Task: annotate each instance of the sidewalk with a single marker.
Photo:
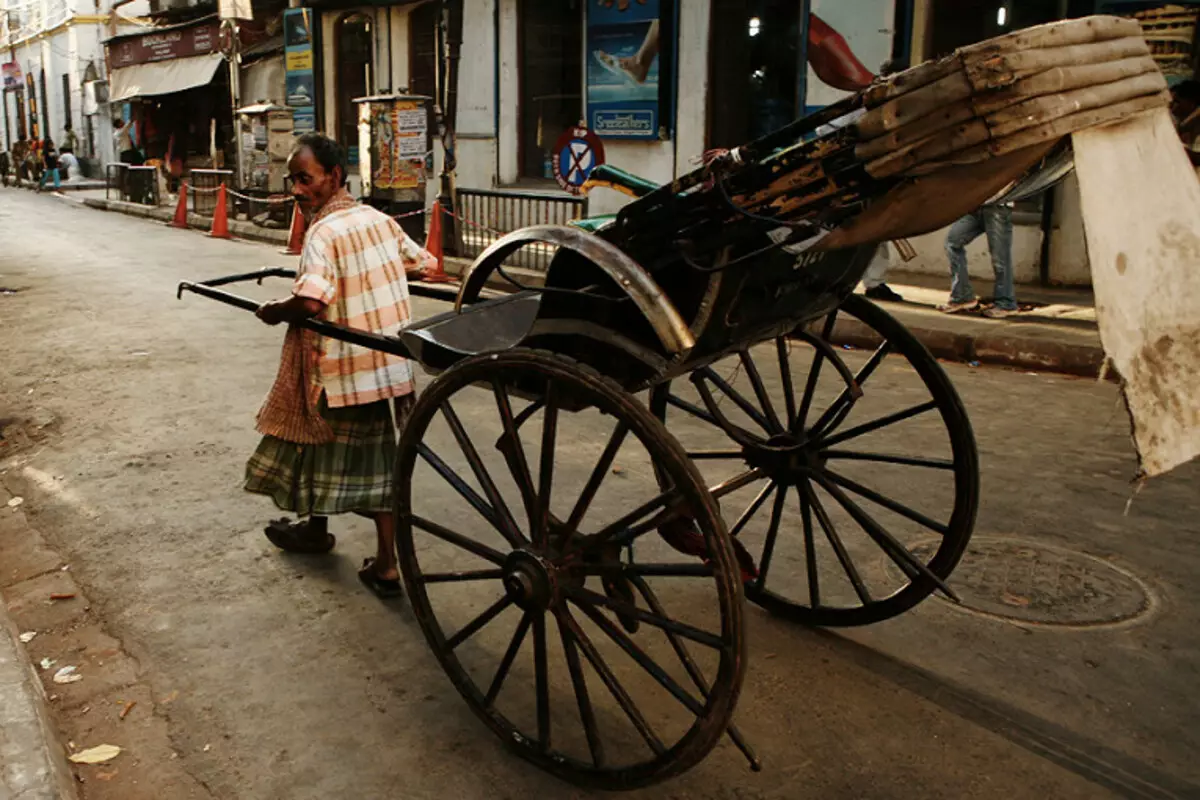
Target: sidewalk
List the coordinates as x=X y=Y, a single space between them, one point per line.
x=1058 y=335
x=33 y=765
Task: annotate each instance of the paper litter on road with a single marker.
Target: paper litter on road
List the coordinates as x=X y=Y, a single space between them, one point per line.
x=96 y=755
x=47 y=663
x=16 y=501
x=67 y=675
x=27 y=636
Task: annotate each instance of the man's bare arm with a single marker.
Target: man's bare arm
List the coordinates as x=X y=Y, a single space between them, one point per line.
x=290 y=309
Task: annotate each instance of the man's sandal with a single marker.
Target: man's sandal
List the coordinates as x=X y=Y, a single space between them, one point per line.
x=299 y=537
x=384 y=588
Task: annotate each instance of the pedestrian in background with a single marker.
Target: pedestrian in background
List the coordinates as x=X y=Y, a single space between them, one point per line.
x=33 y=159
x=69 y=141
x=876 y=274
x=996 y=222
x=20 y=154
x=68 y=166
x=127 y=151
x=5 y=163
x=49 y=165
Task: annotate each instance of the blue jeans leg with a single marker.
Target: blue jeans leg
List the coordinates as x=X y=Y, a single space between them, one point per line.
x=962 y=233
x=998 y=220
x=46 y=175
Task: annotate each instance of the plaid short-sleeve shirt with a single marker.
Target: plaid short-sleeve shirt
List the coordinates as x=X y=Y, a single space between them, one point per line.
x=354 y=261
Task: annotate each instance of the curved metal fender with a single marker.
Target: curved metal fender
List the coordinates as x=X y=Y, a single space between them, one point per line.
x=662 y=315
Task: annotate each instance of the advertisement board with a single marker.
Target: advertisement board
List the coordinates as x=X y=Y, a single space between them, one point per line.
x=398 y=143
x=623 y=69
x=867 y=26
x=300 y=90
x=12 y=75
x=197 y=40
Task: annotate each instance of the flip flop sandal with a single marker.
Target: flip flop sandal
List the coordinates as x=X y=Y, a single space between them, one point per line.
x=384 y=588
x=296 y=537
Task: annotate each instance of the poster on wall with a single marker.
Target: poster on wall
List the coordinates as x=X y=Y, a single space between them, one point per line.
x=848 y=45
x=299 y=84
x=623 y=68
x=12 y=75
x=401 y=131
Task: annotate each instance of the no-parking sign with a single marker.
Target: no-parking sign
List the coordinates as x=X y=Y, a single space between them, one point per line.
x=577 y=152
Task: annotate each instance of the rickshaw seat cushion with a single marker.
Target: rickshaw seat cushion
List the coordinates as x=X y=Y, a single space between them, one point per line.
x=593 y=224
x=617 y=178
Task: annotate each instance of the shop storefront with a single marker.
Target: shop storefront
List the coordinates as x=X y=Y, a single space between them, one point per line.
x=172 y=86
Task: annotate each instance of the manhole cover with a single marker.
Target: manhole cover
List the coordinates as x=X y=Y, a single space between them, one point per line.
x=1032 y=582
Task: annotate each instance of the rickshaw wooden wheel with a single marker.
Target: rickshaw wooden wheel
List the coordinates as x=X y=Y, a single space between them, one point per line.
x=551 y=573
x=795 y=446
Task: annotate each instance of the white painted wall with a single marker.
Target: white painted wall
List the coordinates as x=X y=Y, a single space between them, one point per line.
x=1069 y=264
x=691 y=119
x=508 y=168
x=329 y=74
x=398 y=41
x=477 y=71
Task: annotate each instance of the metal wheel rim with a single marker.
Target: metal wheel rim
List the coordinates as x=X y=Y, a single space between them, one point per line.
x=966 y=486
x=708 y=729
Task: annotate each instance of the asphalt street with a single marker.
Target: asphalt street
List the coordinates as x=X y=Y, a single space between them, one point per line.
x=280 y=677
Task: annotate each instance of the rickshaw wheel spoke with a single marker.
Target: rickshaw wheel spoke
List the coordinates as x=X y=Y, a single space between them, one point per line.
x=488 y=651
x=830 y=549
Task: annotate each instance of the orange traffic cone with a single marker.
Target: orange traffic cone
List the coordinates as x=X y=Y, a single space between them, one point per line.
x=296 y=236
x=433 y=244
x=220 y=223
x=180 y=220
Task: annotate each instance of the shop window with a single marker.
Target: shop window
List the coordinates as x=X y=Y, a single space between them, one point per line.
x=551 y=73
x=352 y=35
x=754 y=69
x=422 y=32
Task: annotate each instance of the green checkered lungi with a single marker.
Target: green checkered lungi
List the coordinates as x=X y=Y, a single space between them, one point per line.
x=353 y=473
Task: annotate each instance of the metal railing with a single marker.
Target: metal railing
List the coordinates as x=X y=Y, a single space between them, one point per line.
x=204 y=201
x=141 y=185
x=131 y=184
x=114 y=181
x=488 y=214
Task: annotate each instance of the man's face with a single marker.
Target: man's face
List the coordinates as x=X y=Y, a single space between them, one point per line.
x=312 y=186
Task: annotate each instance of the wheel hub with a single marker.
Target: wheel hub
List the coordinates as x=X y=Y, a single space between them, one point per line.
x=785 y=458
x=529 y=581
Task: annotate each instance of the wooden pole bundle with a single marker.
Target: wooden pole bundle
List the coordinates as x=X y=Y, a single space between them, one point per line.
x=1020 y=85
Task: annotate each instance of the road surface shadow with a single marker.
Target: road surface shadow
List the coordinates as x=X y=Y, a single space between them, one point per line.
x=1088 y=758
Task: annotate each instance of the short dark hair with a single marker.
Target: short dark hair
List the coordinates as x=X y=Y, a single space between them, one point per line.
x=66 y=150
x=328 y=153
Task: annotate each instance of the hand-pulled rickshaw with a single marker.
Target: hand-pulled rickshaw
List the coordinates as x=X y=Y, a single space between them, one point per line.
x=699 y=324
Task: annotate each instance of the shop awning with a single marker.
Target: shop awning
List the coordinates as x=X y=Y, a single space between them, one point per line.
x=163 y=77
